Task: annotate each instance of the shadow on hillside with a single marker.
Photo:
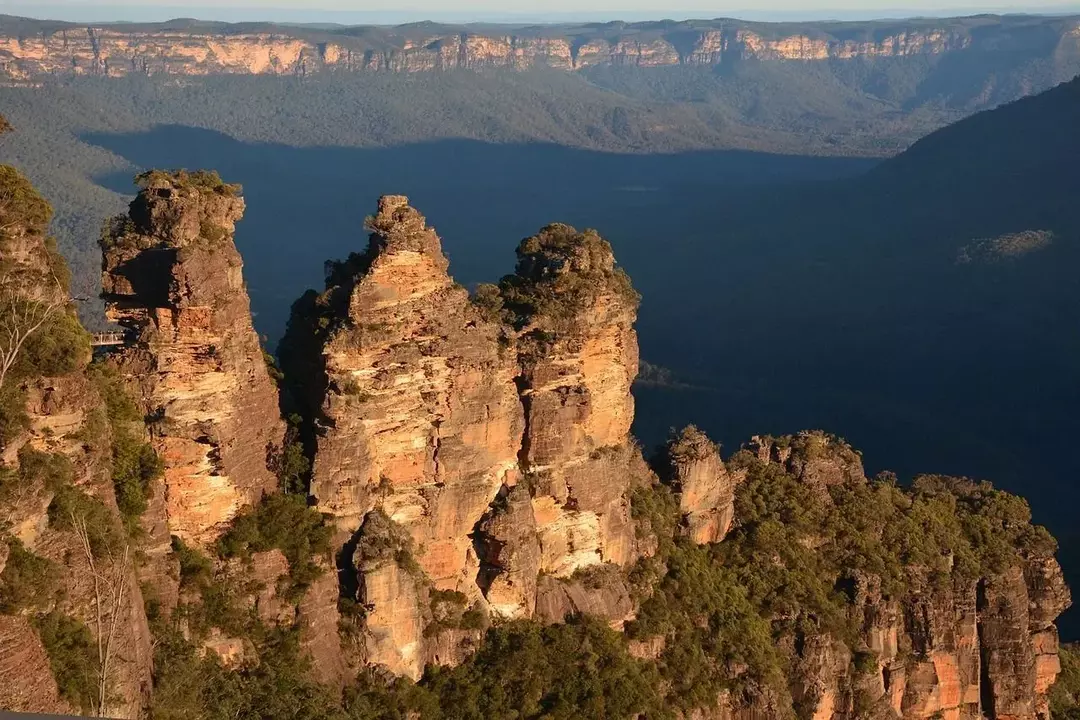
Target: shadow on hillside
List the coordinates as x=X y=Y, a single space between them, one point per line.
x=307 y=205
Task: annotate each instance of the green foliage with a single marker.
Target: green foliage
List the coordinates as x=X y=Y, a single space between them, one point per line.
x=73 y=510
x=290 y=463
x=59 y=347
x=21 y=204
x=135 y=465
x=561 y=272
x=275 y=684
x=73 y=657
x=716 y=637
x=13 y=417
x=286 y=523
x=208 y=181
x=37 y=471
x=1065 y=694
x=450 y=610
x=28 y=581
x=488 y=300
x=525 y=670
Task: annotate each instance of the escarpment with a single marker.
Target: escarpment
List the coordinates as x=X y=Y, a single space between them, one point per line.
x=173 y=280
x=930 y=616
x=116 y=50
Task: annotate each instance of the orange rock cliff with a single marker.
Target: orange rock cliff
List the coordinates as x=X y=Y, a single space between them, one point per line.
x=205 y=49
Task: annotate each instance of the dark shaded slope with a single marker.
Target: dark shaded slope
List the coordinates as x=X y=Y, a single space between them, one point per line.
x=1005 y=170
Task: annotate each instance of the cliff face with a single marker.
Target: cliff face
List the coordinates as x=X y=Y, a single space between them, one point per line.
x=154 y=50
x=67 y=569
x=579 y=357
x=173 y=280
x=705 y=487
x=488 y=444
x=971 y=647
x=421 y=415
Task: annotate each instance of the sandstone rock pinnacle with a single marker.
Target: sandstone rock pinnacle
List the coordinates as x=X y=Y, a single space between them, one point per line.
x=173 y=279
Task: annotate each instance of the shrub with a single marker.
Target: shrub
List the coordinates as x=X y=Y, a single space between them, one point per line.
x=526 y=670
x=37 y=471
x=72 y=509
x=13 y=417
x=135 y=465
x=73 y=657
x=1065 y=694
x=20 y=203
x=285 y=523
x=28 y=581
x=59 y=347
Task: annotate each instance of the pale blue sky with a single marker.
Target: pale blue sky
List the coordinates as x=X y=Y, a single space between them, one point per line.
x=380 y=11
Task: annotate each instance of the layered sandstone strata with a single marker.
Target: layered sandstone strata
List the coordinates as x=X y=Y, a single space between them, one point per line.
x=575 y=313
x=174 y=280
x=704 y=485
x=420 y=416
x=116 y=51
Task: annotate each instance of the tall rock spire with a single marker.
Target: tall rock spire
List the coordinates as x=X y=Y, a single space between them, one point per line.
x=579 y=355
x=420 y=412
x=173 y=279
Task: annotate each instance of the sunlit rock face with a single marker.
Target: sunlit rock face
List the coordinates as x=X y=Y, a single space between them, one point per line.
x=174 y=280
x=578 y=350
x=420 y=415
x=115 y=51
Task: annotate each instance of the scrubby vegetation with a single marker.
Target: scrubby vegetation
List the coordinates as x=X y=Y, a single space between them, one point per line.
x=285 y=523
x=1065 y=695
x=28 y=581
x=72 y=653
x=560 y=273
x=208 y=181
x=135 y=465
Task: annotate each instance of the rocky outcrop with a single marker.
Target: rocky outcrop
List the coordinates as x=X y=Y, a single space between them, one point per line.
x=419 y=415
x=575 y=311
x=705 y=487
x=173 y=280
x=111 y=51
x=27 y=684
x=965 y=650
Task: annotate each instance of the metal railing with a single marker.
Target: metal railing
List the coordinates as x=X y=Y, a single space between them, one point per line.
x=107 y=339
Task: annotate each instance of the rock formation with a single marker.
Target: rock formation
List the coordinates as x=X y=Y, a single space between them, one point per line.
x=420 y=414
x=705 y=487
x=173 y=279
x=966 y=650
x=112 y=51
x=65 y=560
x=574 y=311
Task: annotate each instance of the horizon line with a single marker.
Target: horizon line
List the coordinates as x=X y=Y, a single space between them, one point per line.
x=407 y=17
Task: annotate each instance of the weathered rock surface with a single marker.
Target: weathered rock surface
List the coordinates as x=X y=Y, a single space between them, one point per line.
x=173 y=279
x=579 y=355
x=67 y=438
x=26 y=680
x=965 y=651
x=420 y=416
x=65 y=49
x=705 y=487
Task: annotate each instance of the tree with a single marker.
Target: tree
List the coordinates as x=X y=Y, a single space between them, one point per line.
x=24 y=311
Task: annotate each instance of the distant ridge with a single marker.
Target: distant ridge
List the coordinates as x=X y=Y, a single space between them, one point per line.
x=33 y=48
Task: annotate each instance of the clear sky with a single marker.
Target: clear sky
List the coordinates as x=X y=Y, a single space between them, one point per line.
x=397 y=11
